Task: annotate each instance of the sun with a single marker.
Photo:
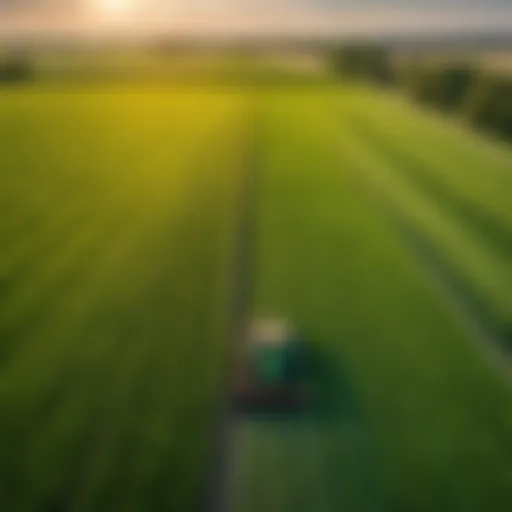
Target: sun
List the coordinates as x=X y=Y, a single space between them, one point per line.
x=114 y=7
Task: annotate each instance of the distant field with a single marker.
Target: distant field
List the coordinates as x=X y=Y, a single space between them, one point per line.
x=498 y=60
x=166 y=66
x=118 y=215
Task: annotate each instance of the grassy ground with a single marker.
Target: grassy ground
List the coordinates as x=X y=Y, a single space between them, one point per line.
x=116 y=241
x=166 y=67
x=452 y=186
x=416 y=417
x=118 y=210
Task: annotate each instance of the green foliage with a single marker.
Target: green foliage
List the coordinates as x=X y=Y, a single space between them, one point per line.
x=15 y=67
x=442 y=85
x=367 y=62
x=489 y=104
x=481 y=97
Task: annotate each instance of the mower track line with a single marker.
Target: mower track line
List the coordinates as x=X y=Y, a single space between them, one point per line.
x=449 y=286
x=219 y=493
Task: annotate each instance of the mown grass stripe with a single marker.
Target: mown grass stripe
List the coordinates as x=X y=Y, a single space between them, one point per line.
x=419 y=384
x=485 y=271
x=491 y=229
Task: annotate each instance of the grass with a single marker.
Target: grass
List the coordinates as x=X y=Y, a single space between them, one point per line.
x=413 y=427
x=451 y=186
x=118 y=216
x=143 y=66
x=115 y=279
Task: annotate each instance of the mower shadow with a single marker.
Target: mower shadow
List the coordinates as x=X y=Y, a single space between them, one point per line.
x=327 y=447
x=336 y=396
x=332 y=393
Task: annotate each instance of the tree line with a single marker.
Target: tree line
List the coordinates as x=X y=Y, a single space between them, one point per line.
x=15 y=67
x=481 y=97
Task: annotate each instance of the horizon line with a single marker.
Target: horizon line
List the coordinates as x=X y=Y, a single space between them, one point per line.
x=367 y=21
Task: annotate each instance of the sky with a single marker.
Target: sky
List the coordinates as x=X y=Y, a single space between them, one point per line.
x=246 y=16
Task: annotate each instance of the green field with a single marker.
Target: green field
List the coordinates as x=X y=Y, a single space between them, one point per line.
x=119 y=213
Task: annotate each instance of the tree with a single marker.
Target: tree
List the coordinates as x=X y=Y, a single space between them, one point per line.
x=489 y=104
x=443 y=85
x=367 y=62
x=16 y=67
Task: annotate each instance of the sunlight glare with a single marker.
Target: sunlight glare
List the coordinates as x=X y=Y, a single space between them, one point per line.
x=114 y=7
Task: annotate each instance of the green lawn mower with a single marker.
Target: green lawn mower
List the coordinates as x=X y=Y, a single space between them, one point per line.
x=272 y=371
